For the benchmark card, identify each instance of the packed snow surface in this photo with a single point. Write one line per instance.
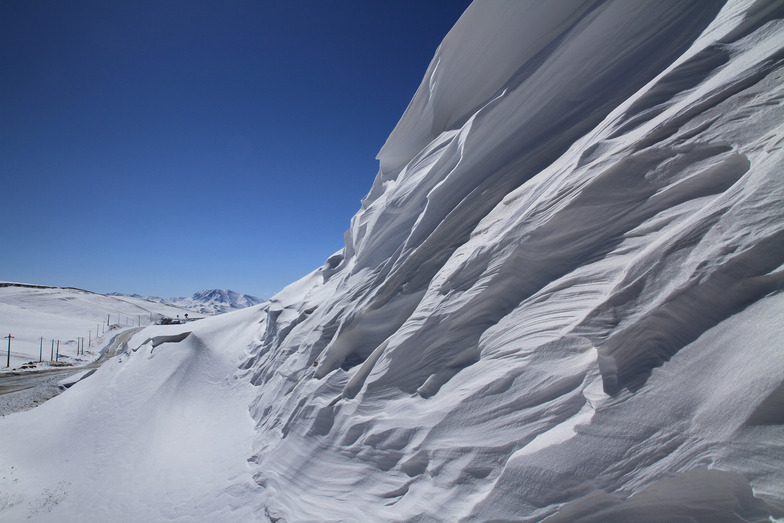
(561, 299)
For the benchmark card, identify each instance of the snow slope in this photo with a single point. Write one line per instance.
(561, 299)
(31, 312)
(157, 433)
(563, 289)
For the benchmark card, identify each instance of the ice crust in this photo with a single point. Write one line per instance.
(560, 300)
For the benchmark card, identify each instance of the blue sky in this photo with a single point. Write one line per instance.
(166, 147)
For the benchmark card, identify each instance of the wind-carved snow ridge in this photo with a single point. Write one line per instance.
(561, 297)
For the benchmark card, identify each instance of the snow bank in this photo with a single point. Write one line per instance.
(158, 433)
(562, 289)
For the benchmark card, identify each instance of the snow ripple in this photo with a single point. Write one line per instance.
(560, 288)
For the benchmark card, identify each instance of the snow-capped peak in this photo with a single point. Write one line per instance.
(220, 300)
(209, 302)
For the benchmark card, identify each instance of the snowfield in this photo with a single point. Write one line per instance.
(31, 312)
(560, 300)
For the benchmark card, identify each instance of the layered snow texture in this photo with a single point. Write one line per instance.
(561, 297)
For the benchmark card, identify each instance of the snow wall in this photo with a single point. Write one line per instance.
(561, 296)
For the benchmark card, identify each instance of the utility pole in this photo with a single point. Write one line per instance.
(58, 351)
(41, 351)
(108, 316)
(51, 358)
(8, 363)
(90, 339)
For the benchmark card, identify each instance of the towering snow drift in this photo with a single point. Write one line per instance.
(562, 289)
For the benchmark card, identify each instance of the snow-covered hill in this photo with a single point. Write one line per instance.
(35, 315)
(209, 302)
(561, 299)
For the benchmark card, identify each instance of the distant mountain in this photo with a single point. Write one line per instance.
(215, 301)
(212, 301)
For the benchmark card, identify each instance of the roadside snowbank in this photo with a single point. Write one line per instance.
(563, 287)
(155, 434)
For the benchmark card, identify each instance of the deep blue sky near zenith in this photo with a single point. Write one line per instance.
(164, 147)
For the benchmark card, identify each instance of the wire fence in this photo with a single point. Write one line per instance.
(74, 349)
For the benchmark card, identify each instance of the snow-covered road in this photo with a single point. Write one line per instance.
(10, 383)
(24, 390)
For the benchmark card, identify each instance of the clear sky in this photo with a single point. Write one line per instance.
(164, 147)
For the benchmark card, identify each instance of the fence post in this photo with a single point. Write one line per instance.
(8, 364)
